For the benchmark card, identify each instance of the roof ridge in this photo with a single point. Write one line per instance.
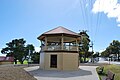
(52, 29)
(70, 30)
(60, 29)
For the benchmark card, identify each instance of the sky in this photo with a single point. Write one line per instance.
(30, 18)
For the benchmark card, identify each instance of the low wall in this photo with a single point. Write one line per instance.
(65, 61)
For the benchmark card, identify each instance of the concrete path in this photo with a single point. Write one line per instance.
(84, 73)
(110, 62)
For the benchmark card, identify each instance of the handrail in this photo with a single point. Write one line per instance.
(58, 48)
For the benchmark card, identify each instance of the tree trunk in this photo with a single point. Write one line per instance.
(15, 60)
(84, 58)
(21, 62)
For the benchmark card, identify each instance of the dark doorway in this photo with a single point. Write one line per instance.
(53, 61)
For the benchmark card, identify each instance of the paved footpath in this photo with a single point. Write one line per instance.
(84, 73)
(110, 62)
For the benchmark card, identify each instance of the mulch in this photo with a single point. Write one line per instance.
(14, 73)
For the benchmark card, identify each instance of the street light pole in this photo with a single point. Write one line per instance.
(92, 51)
(29, 59)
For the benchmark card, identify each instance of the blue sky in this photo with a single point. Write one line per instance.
(30, 18)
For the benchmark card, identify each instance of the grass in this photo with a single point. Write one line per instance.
(25, 62)
(114, 68)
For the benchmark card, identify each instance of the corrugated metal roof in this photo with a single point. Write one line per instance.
(3, 58)
(60, 30)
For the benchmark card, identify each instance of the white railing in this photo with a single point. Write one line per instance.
(58, 48)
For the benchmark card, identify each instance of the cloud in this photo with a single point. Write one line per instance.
(118, 25)
(37, 49)
(101, 50)
(86, 5)
(109, 7)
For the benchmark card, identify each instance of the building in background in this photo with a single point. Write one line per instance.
(6, 60)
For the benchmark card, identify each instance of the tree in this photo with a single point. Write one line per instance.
(105, 53)
(84, 45)
(31, 54)
(16, 49)
(113, 48)
(29, 50)
(35, 57)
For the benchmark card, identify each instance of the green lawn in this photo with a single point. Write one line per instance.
(114, 68)
(25, 62)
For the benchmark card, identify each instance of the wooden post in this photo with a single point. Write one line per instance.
(62, 42)
(41, 46)
(76, 44)
(69, 46)
(45, 43)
